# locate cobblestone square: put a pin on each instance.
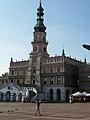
(49, 111)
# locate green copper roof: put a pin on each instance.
(39, 27)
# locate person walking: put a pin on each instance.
(38, 102)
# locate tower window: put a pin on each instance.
(35, 49)
(43, 38)
(34, 60)
(44, 49)
(35, 38)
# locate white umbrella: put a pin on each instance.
(88, 94)
(78, 94)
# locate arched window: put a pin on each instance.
(20, 96)
(58, 93)
(8, 94)
(1, 96)
(51, 94)
(14, 97)
(67, 95)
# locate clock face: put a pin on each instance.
(35, 49)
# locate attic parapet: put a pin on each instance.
(19, 64)
(61, 59)
(51, 60)
(72, 61)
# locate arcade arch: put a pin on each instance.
(67, 95)
(1, 96)
(8, 94)
(51, 94)
(58, 95)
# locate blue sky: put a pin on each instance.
(67, 22)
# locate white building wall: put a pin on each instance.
(62, 89)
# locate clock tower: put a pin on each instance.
(39, 43)
(39, 51)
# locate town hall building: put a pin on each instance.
(49, 78)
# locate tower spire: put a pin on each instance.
(39, 27)
(40, 1)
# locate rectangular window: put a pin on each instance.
(51, 80)
(12, 72)
(2, 82)
(51, 70)
(45, 79)
(17, 72)
(58, 69)
(23, 72)
(45, 70)
(45, 82)
(60, 80)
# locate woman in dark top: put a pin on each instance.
(38, 102)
